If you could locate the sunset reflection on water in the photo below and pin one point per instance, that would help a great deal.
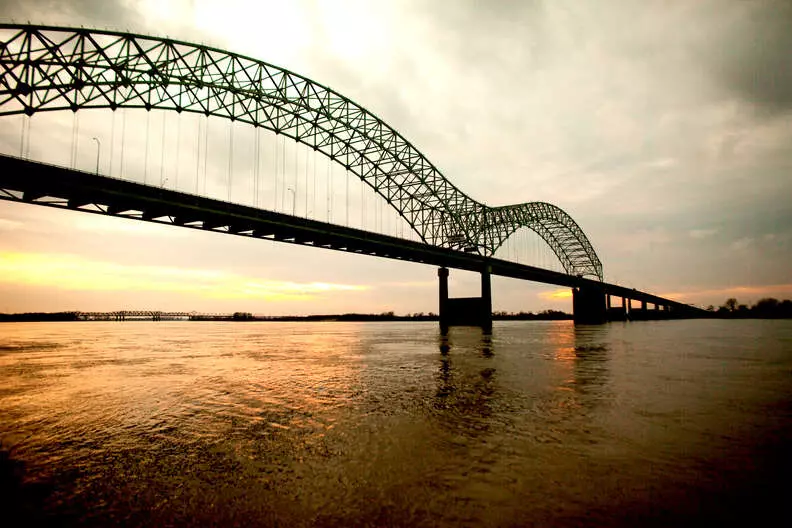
(188, 423)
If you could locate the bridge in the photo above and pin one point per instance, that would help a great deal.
(132, 315)
(51, 69)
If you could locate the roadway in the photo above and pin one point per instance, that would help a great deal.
(54, 186)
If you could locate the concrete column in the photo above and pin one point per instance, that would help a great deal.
(486, 299)
(608, 301)
(643, 305)
(588, 304)
(442, 275)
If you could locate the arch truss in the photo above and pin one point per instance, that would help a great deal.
(51, 68)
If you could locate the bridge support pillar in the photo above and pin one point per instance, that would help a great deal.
(465, 311)
(589, 305)
(442, 275)
(486, 299)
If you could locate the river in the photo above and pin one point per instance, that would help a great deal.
(661, 423)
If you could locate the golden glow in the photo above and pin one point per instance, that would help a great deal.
(556, 295)
(741, 293)
(71, 272)
(109, 224)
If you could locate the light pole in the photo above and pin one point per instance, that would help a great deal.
(294, 199)
(98, 148)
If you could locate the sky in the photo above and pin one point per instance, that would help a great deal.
(662, 127)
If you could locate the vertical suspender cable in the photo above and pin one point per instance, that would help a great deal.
(518, 246)
(306, 183)
(347, 198)
(71, 152)
(178, 151)
(329, 165)
(123, 139)
(275, 178)
(25, 117)
(75, 138)
(230, 157)
(112, 141)
(206, 154)
(145, 157)
(197, 156)
(256, 155)
(162, 153)
(283, 172)
(22, 137)
(27, 135)
(314, 158)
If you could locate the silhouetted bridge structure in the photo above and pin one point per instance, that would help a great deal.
(54, 69)
(131, 315)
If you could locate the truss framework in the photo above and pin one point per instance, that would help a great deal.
(50, 68)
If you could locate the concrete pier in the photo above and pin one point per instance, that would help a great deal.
(589, 305)
(465, 311)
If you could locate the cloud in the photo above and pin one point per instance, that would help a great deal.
(698, 234)
(9, 225)
(119, 15)
(107, 225)
(742, 293)
(751, 55)
(556, 295)
(742, 244)
(661, 163)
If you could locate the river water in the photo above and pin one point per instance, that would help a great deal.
(389, 424)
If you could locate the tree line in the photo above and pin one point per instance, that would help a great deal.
(767, 308)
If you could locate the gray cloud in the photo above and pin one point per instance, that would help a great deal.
(88, 13)
(751, 56)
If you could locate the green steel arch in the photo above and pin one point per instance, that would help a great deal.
(53, 68)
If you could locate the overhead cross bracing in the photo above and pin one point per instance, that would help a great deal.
(50, 68)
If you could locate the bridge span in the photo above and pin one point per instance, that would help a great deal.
(49, 185)
(51, 69)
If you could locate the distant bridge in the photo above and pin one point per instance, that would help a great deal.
(130, 315)
(46, 69)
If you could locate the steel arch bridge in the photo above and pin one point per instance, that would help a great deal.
(53, 68)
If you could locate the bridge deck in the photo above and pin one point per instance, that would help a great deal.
(53, 186)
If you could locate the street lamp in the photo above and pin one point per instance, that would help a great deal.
(98, 148)
(294, 199)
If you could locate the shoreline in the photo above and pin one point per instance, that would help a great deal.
(36, 317)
